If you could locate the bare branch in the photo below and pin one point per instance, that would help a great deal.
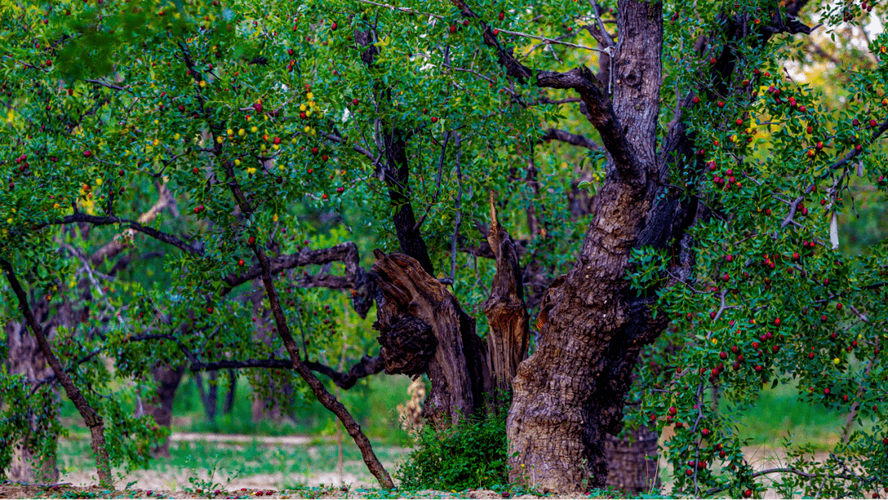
(108, 220)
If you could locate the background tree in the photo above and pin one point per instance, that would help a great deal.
(298, 137)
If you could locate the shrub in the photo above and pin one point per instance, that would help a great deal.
(469, 455)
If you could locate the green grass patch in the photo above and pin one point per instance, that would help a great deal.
(779, 413)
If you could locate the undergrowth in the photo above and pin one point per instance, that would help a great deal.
(470, 455)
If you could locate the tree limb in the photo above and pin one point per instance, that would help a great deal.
(108, 220)
(364, 368)
(573, 139)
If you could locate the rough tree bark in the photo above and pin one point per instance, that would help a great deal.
(569, 394)
(632, 462)
(423, 329)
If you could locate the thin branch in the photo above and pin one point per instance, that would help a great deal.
(573, 139)
(364, 368)
(108, 220)
(458, 210)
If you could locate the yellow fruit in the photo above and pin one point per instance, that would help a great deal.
(98, 182)
(220, 139)
(230, 132)
(155, 142)
(308, 113)
(241, 132)
(302, 107)
(836, 361)
(293, 141)
(177, 137)
(307, 128)
(275, 218)
(203, 84)
(310, 96)
(262, 147)
(254, 129)
(275, 147)
(237, 163)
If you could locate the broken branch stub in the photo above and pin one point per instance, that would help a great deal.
(408, 345)
(507, 340)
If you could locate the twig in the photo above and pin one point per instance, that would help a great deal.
(457, 143)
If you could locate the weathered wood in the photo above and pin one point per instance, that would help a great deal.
(458, 371)
(506, 312)
(408, 345)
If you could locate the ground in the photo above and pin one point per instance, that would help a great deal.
(239, 466)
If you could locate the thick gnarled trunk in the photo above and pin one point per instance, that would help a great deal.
(569, 394)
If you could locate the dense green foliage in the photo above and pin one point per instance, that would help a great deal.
(115, 107)
(471, 455)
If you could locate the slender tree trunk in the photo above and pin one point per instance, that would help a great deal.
(208, 394)
(328, 400)
(230, 393)
(161, 408)
(26, 358)
(92, 419)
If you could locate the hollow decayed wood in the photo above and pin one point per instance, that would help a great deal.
(505, 309)
(458, 371)
(408, 344)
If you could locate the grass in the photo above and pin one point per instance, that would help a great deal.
(779, 412)
(372, 403)
(227, 461)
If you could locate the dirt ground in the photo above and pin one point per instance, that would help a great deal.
(320, 484)
(19, 491)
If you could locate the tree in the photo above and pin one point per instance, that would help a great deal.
(425, 130)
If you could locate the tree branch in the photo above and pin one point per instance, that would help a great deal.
(92, 419)
(600, 109)
(364, 368)
(574, 139)
(108, 220)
